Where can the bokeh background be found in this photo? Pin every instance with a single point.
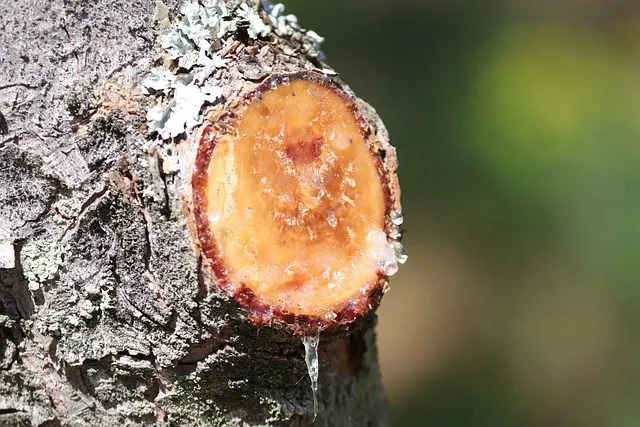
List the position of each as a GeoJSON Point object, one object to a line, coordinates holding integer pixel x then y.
{"type": "Point", "coordinates": [517, 125]}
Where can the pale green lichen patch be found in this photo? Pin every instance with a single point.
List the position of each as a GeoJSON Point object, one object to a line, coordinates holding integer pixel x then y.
{"type": "Point", "coordinates": [41, 260]}
{"type": "Point", "coordinates": [257, 27]}
{"type": "Point", "coordinates": [275, 412]}
{"type": "Point", "coordinates": [86, 309]}
{"type": "Point", "coordinates": [191, 43]}
{"type": "Point", "coordinates": [183, 112]}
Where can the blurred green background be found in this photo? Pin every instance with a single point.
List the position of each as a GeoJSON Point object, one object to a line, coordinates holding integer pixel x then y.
{"type": "Point", "coordinates": [517, 125]}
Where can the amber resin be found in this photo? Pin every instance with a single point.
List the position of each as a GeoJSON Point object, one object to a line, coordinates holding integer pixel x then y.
{"type": "Point", "coordinates": [290, 206]}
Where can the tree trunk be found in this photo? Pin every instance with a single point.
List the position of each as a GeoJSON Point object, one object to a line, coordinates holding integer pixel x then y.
{"type": "Point", "coordinates": [107, 313]}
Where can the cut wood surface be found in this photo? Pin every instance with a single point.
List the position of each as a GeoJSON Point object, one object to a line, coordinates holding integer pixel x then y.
{"type": "Point", "coordinates": [112, 310]}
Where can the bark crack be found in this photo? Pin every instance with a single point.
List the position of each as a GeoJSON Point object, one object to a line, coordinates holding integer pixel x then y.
{"type": "Point", "coordinates": [48, 205]}
{"type": "Point", "coordinates": [10, 411]}
{"type": "Point", "coordinates": [166, 210]}
{"type": "Point", "coordinates": [20, 84]}
{"type": "Point", "coordinates": [141, 313]}
{"type": "Point", "coordinates": [93, 199]}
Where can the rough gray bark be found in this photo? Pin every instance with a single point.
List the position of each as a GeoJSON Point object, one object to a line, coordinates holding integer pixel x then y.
{"type": "Point", "coordinates": [107, 315]}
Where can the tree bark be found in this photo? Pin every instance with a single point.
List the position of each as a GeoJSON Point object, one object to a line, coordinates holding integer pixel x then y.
{"type": "Point", "coordinates": [107, 313]}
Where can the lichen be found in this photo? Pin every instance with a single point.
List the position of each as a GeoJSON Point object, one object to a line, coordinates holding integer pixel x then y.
{"type": "Point", "coordinates": [86, 309]}
{"type": "Point", "coordinates": [183, 113]}
{"type": "Point", "coordinates": [190, 43]}
{"type": "Point", "coordinates": [257, 27]}
{"type": "Point", "coordinates": [284, 25]}
{"type": "Point", "coordinates": [40, 261]}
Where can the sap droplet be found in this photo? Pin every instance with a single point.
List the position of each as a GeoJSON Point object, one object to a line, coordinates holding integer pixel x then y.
{"type": "Point", "coordinates": [397, 218]}
{"type": "Point", "coordinates": [389, 266]}
{"type": "Point", "coordinates": [382, 252]}
{"type": "Point", "coordinates": [400, 252]}
{"type": "Point", "coordinates": [311, 358]}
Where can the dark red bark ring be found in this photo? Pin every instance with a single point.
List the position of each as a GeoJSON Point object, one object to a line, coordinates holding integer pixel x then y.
{"type": "Point", "coordinates": [258, 312]}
